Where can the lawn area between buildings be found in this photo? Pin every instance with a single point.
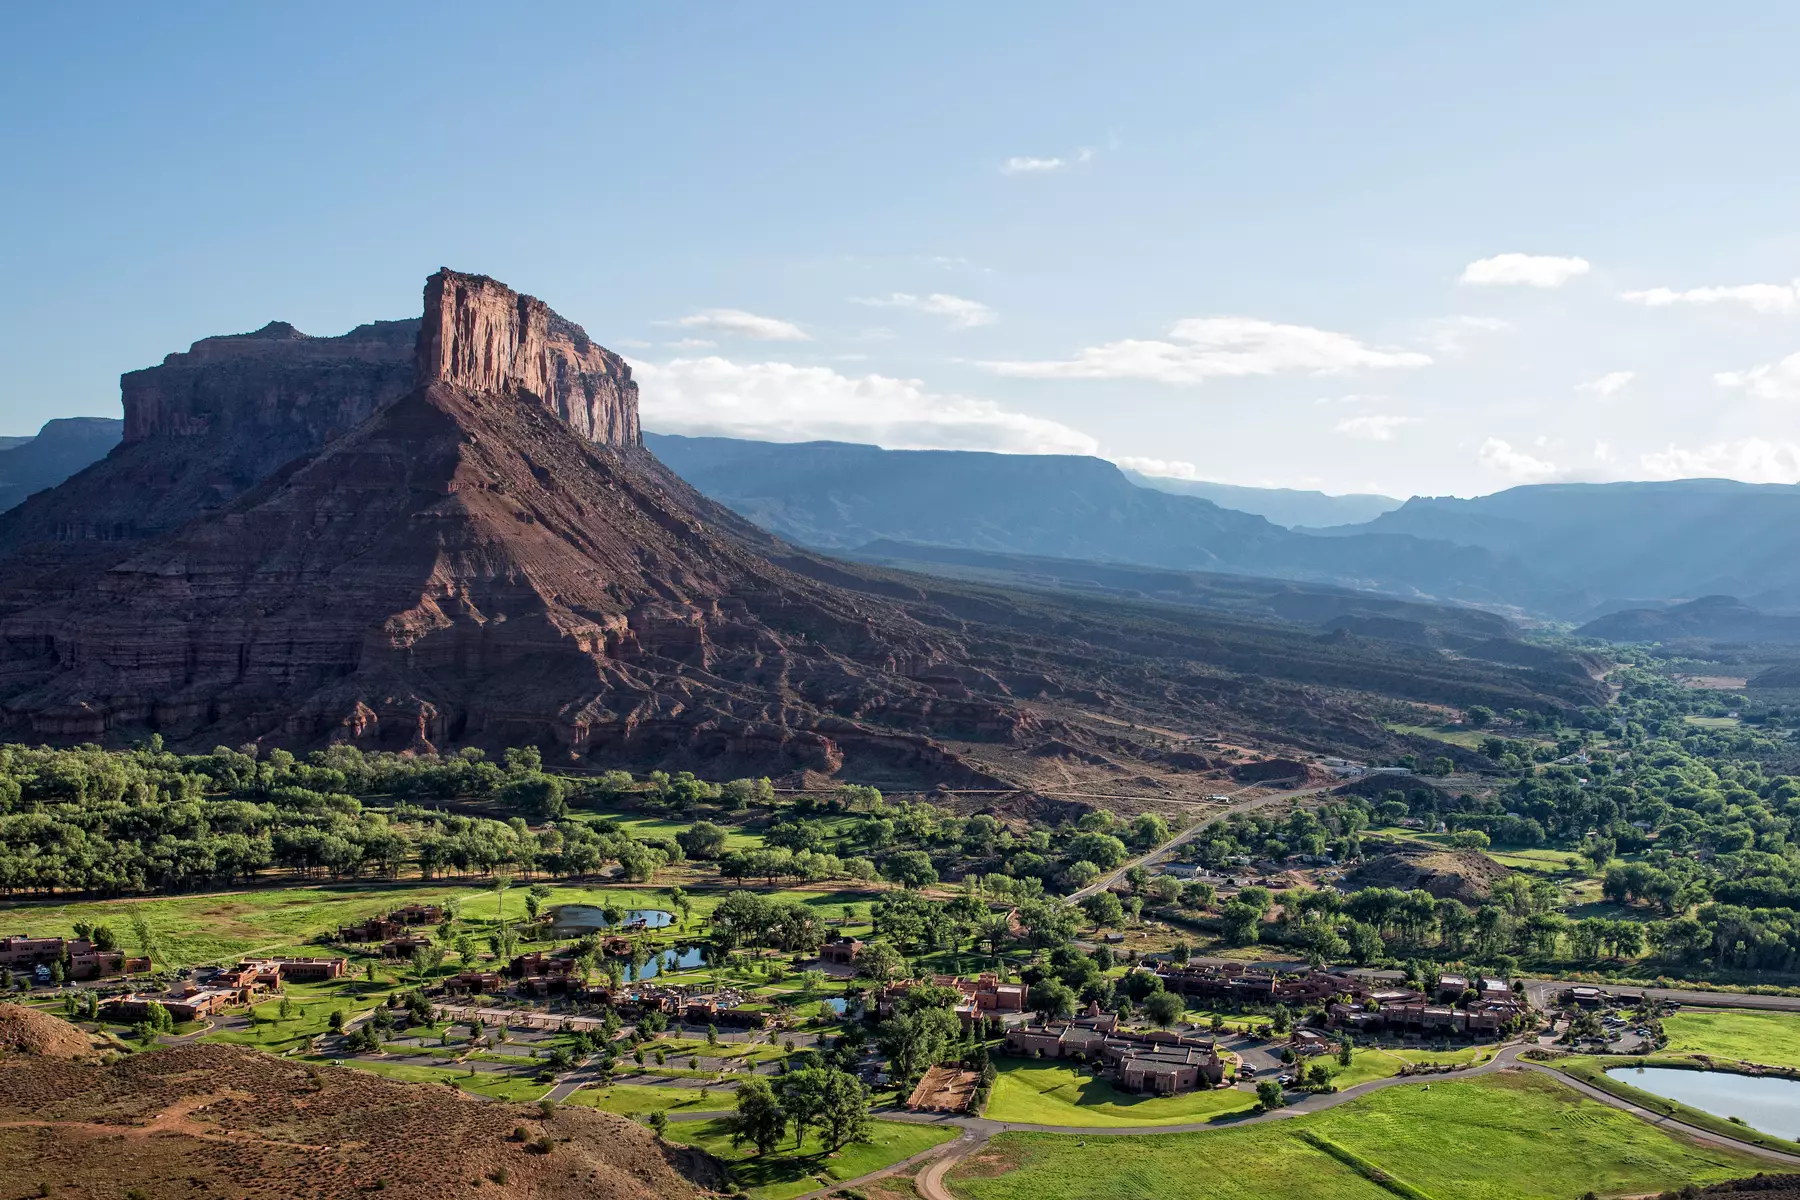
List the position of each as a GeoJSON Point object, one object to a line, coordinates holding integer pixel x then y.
{"type": "Point", "coordinates": [1048, 1093]}
{"type": "Point", "coordinates": [517, 1088]}
{"type": "Point", "coordinates": [636, 1098]}
{"type": "Point", "coordinates": [1511, 1136]}
{"type": "Point", "coordinates": [1769, 1038]}
{"type": "Point", "coordinates": [789, 1172]}
{"type": "Point", "coordinates": [1375, 1063]}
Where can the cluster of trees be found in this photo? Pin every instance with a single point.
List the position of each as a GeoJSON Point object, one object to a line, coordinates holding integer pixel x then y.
{"type": "Point", "coordinates": [818, 1097]}
{"type": "Point", "coordinates": [145, 820]}
{"type": "Point", "coordinates": [750, 919]}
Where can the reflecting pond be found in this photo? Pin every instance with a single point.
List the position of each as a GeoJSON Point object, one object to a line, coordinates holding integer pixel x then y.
{"type": "Point", "coordinates": [586, 918]}
{"type": "Point", "coordinates": [679, 959]}
{"type": "Point", "coordinates": [1763, 1102]}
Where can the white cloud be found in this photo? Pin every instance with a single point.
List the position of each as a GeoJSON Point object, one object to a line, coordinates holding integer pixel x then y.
{"type": "Point", "coordinates": [1161, 468]}
{"type": "Point", "coordinates": [1752, 460]}
{"type": "Point", "coordinates": [963, 314]}
{"type": "Point", "coordinates": [1372, 427]}
{"type": "Point", "coordinates": [785, 402]}
{"type": "Point", "coordinates": [693, 344]}
{"type": "Point", "coordinates": [1024, 164]}
{"type": "Point", "coordinates": [1770, 381]}
{"type": "Point", "coordinates": [1528, 270]}
{"type": "Point", "coordinates": [1020, 164]}
{"type": "Point", "coordinates": [738, 323]}
{"type": "Point", "coordinates": [1761, 297]}
{"type": "Point", "coordinates": [1515, 464]}
{"type": "Point", "coordinates": [1608, 385]}
{"type": "Point", "coordinates": [1211, 347]}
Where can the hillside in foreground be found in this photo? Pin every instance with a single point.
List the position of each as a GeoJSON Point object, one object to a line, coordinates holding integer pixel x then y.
{"type": "Point", "coordinates": [217, 1121]}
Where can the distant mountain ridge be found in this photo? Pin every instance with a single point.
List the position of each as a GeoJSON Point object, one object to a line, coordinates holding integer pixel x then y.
{"type": "Point", "coordinates": [1291, 507]}
{"type": "Point", "coordinates": [62, 447]}
{"type": "Point", "coordinates": [1675, 539]}
{"type": "Point", "coordinates": [838, 496]}
{"type": "Point", "coordinates": [1710, 618]}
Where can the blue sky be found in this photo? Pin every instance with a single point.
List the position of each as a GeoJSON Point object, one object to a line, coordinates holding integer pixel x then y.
{"type": "Point", "coordinates": [1416, 248]}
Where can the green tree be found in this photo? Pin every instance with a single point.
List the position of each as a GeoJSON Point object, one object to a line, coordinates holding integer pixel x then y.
{"type": "Point", "coordinates": [1104, 910]}
{"type": "Point", "coordinates": [1269, 1095]}
{"type": "Point", "coordinates": [1164, 1008]}
{"type": "Point", "coordinates": [1053, 998]}
{"type": "Point", "coordinates": [880, 963]}
{"type": "Point", "coordinates": [702, 840]}
{"type": "Point", "coordinates": [758, 1118]}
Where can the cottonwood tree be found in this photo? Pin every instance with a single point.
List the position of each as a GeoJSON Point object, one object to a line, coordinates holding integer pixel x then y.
{"type": "Point", "coordinates": [758, 1118]}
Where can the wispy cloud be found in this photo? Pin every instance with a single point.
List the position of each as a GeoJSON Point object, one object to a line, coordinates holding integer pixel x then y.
{"type": "Point", "coordinates": [1608, 385]}
{"type": "Point", "coordinates": [1770, 381]}
{"type": "Point", "coordinates": [1162, 468]}
{"type": "Point", "coordinates": [1025, 164]}
{"type": "Point", "coordinates": [1372, 427]}
{"type": "Point", "coordinates": [1202, 348]}
{"type": "Point", "coordinates": [1516, 465]}
{"type": "Point", "coordinates": [787, 402]}
{"type": "Point", "coordinates": [1752, 460]}
{"type": "Point", "coordinates": [1779, 298]}
{"type": "Point", "coordinates": [963, 314]}
{"type": "Point", "coordinates": [738, 323]}
{"type": "Point", "coordinates": [1523, 270]}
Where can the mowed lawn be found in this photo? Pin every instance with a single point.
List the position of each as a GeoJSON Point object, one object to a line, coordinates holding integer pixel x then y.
{"type": "Point", "coordinates": [1375, 1063]}
{"type": "Point", "coordinates": [1512, 1136]}
{"type": "Point", "coordinates": [1041, 1093]}
{"type": "Point", "coordinates": [639, 1098]}
{"type": "Point", "coordinates": [1769, 1038]}
{"type": "Point", "coordinates": [792, 1172]}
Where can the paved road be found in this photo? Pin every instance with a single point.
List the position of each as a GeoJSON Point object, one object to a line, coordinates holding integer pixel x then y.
{"type": "Point", "coordinates": [1543, 994]}
{"type": "Point", "coordinates": [1162, 851]}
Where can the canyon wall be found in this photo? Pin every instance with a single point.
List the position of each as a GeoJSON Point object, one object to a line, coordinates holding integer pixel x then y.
{"type": "Point", "coordinates": [481, 335]}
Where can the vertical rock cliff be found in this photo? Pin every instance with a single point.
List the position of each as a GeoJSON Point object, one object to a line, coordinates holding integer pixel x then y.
{"type": "Point", "coordinates": [481, 335]}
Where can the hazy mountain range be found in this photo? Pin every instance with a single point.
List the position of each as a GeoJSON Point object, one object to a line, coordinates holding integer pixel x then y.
{"type": "Point", "coordinates": [61, 448]}
{"type": "Point", "coordinates": [1284, 506]}
{"type": "Point", "coordinates": [1569, 551]}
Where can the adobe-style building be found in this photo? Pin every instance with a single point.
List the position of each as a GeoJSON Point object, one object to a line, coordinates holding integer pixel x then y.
{"type": "Point", "coordinates": [985, 1000]}
{"type": "Point", "coordinates": [85, 960]}
{"type": "Point", "coordinates": [391, 925]}
{"type": "Point", "coordinates": [840, 950]}
{"type": "Point", "coordinates": [471, 983]}
{"type": "Point", "coordinates": [22, 951]}
{"type": "Point", "coordinates": [1157, 1062]}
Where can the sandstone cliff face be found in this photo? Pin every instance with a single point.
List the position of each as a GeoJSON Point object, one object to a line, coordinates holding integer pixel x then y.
{"type": "Point", "coordinates": [483, 336]}
{"type": "Point", "coordinates": [206, 425]}
{"type": "Point", "coordinates": [276, 385]}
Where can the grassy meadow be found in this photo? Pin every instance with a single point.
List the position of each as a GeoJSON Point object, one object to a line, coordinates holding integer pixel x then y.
{"type": "Point", "coordinates": [1500, 1137]}
{"type": "Point", "coordinates": [1769, 1038]}
{"type": "Point", "coordinates": [791, 1171]}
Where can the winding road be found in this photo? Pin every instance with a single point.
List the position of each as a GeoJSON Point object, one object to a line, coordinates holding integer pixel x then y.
{"type": "Point", "coordinates": [1187, 835]}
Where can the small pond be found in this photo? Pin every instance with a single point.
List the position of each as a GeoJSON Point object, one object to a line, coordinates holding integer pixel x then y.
{"type": "Point", "coordinates": [679, 959]}
{"type": "Point", "coordinates": [1765, 1103]}
{"type": "Point", "coordinates": [587, 918]}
